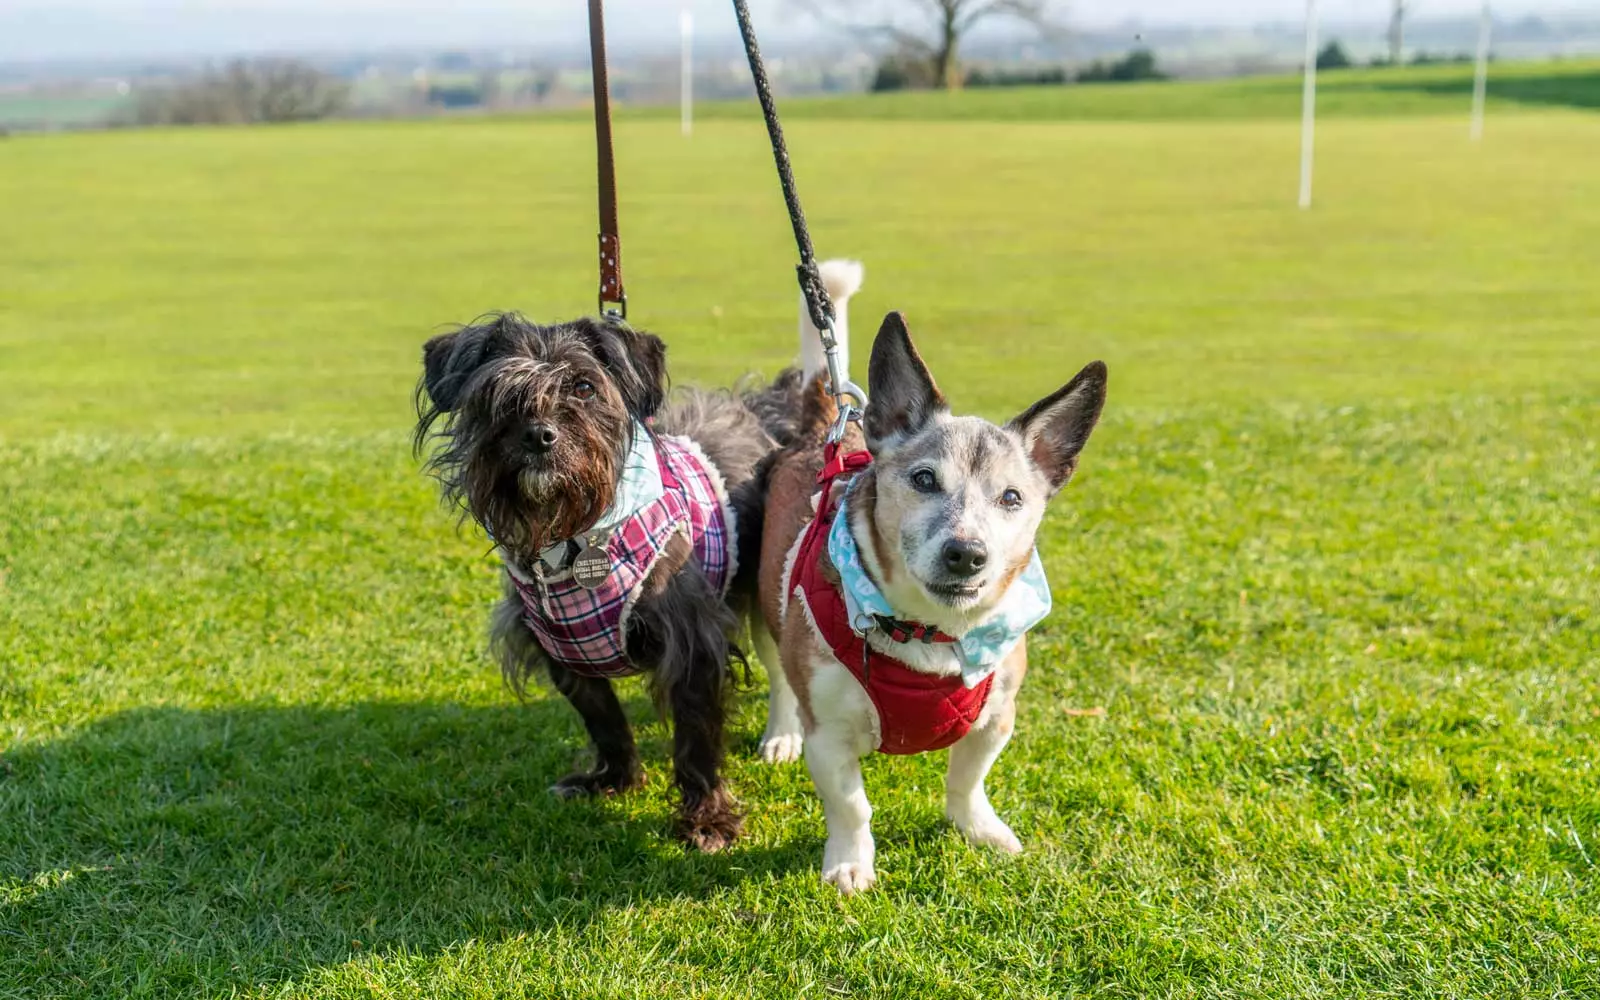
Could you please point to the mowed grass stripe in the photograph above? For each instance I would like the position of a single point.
(223, 281)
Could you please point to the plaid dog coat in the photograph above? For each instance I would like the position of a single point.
(586, 630)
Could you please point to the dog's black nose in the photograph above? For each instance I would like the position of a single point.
(965, 557)
(539, 438)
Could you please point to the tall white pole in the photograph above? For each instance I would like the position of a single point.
(1308, 106)
(686, 78)
(1480, 81)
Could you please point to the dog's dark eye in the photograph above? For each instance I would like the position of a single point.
(583, 389)
(1011, 498)
(924, 481)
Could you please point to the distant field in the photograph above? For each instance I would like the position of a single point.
(1331, 567)
(1410, 91)
(59, 112)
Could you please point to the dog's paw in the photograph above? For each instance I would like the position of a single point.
(711, 823)
(993, 833)
(590, 784)
(850, 877)
(710, 839)
(781, 748)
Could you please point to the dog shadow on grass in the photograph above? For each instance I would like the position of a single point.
(242, 847)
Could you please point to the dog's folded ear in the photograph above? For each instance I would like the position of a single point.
(1055, 429)
(903, 393)
(637, 362)
(447, 361)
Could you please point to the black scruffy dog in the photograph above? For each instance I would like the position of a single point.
(528, 428)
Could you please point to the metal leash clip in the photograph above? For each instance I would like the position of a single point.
(852, 399)
(848, 411)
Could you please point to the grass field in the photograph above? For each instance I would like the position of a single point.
(1331, 566)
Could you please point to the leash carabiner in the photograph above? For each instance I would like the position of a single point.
(851, 398)
(847, 412)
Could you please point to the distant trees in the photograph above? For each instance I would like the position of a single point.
(541, 82)
(1333, 56)
(457, 95)
(1424, 58)
(493, 87)
(1441, 58)
(244, 92)
(1044, 77)
(898, 71)
(935, 38)
(1140, 64)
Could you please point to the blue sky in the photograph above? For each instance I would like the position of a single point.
(57, 28)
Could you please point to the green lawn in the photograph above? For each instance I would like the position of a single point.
(1331, 566)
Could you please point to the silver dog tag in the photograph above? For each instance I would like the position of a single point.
(592, 564)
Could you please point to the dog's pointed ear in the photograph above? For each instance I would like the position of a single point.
(447, 361)
(1055, 429)
(637, 362)
(903, 393)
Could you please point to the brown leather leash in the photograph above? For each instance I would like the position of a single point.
(613, 299)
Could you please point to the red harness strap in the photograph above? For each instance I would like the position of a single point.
(916, 711)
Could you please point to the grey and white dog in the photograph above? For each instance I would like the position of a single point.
(941, 526)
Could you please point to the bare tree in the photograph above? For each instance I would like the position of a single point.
(1397, 31)
(940, 25)
(264, 90)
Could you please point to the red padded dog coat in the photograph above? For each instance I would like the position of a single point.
(916, 711)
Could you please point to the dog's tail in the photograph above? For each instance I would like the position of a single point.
(787, 408)
(842, 279)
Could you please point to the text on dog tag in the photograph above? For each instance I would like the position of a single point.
(593, 563)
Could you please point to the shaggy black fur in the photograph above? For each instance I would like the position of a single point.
(526, 427)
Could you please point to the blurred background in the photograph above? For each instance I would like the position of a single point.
(94, 63)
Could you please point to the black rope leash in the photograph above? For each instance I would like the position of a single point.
(817, 301)
(850, 397)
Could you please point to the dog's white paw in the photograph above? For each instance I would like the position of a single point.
(992, 833)
(982, 828)
(850, 878)
(781, 748)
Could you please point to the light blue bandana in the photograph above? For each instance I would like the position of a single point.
(1024, 605)
(639, 486)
